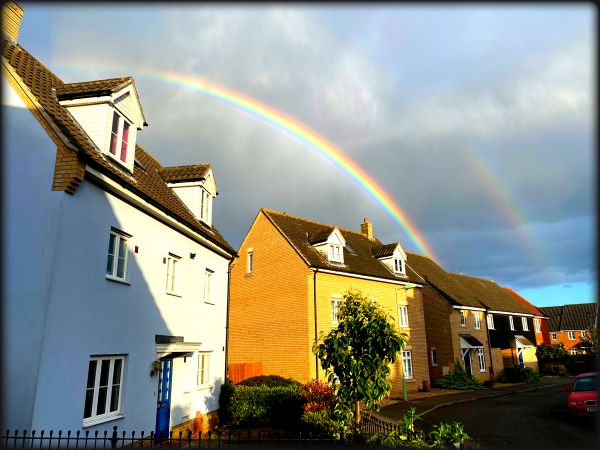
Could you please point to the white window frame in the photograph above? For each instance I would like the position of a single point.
(403, 316)
(553, 336)
(209, 288)
(434, 356)
(537, 323)
(399, 266)
(407, 367)
(481, 358)
(524, 324)
(119, 135)
(335, 308)
(573, 351)
(571, 335)
(335, 253)
(490, 321)
(249, 261)
(204, 370)
(511, 322)
(120, 239)
(173, 275)
(205, 205)
(110, 415)
(477, 320)
(463, 318)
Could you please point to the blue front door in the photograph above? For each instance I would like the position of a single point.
(163, 409)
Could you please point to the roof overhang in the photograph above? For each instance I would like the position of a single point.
(472, 308)
(469, 341)
(510, 313)
(522, 341)
(409, 284)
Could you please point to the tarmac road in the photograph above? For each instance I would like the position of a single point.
(537, 419)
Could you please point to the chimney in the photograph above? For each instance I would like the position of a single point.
(366, 229)
(12, 14)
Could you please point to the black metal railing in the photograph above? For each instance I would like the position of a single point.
(371, 423)
(116, 439)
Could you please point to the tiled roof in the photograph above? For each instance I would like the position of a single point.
(490, 294)
(358, 258)
(553, 313)
(442, 281)
(92, 88)
(175, 174)
(578, 316)
(146, 182)
(320, 236)
(381, 251)
(524, 302)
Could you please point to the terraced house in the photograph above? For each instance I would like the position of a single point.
(116, 279)
(288, 283)
(568, 324)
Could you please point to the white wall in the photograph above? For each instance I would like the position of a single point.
(59, 308)
(30, 226)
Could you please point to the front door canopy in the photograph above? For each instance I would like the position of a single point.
(469, 341)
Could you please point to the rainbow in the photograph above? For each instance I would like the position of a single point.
(505, 202)
(300, 132)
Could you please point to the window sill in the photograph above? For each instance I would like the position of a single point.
(209, 303)
(173, 294)
(248, 274)
(482, 370)
(117, 280)
(205, 387)
(98, 420)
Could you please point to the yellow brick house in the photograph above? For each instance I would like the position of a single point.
(286, 288)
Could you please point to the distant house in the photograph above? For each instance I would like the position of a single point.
(287, 286)
(115, 279)
(540, 322)
(509, 322)
(569, 323)
(455, 323)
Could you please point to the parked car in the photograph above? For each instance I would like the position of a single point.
(583, 395)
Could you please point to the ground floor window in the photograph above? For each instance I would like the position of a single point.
(481, 358)
(573, 351)
(434, 356)
(204, 372)
(407, 364)
(103, 389)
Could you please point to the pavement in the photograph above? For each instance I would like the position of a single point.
(439, 399)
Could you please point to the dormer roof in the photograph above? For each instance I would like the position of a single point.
(179, 174)
(388, 250)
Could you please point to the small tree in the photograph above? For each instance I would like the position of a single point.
(590, 340)
(356, 355)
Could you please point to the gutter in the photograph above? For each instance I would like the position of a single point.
(230, 266)
(315, 270)
(487, 330)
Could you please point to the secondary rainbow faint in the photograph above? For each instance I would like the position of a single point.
(299, 131)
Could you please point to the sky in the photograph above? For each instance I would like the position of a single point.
(476, 120)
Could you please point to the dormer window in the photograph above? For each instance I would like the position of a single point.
(330, 243)
(335, 253)
(398, 265)
(205, 203)
(119, 138)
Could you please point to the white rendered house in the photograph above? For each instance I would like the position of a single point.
(115, 280)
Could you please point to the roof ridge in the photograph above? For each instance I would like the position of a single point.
(271, 211)
(187, 165)
(124, 78)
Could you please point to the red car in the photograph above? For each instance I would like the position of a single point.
(583, 395)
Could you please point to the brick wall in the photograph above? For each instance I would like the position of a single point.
(563, 337)
(438, 330)
(68, 170)
(268, 317)
(208, 421)
(388, 296)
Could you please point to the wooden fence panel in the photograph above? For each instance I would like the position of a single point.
(237, 372)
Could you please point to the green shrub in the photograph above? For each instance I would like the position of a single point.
(321, 422)
(260, 405)
(270, 381)
(457, 379)
(554, 352)
(518, 374)
(554, 369)
(448, 435)
(225, 396)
